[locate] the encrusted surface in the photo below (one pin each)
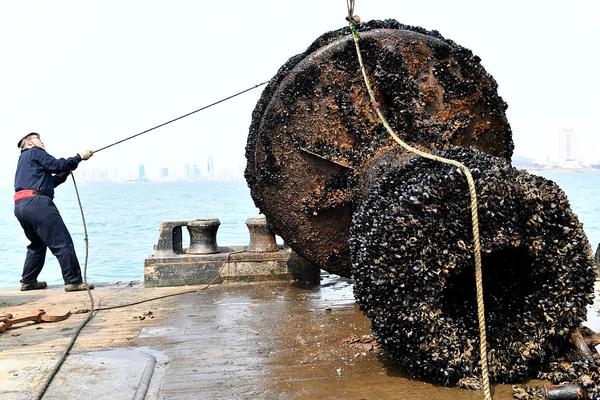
(314, 134)
(413, 266)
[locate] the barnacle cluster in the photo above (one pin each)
(412, 261)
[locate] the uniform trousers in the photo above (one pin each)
(45, 228)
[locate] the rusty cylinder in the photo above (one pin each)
(412, 262)
(203, 236)
(262, 240)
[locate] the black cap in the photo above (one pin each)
(20, 143)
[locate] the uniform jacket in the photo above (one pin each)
(40, 171)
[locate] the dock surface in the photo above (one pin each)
(234, 341)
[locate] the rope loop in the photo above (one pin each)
(350, 6)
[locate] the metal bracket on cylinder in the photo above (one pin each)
(169, 239)
(262, 240)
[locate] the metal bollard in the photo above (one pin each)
(262, 240)
(203, 236)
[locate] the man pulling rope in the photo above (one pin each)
(38, 173)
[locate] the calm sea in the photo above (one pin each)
(123, 223)
(123, 220)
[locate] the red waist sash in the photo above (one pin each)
(23, 194)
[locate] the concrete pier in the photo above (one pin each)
(249, 342)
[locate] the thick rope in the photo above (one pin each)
(474, 214)
(183, 116)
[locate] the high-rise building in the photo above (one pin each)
(164, 172)
(569, 145)
(142, 172)
(568, 154)
(195, 172)
(210, 167)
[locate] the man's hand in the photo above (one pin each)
(86, 154)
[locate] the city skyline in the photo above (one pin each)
(565, 149)
(568, 149)
(178, 171)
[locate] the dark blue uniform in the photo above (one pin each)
(40, 218)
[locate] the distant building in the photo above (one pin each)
(195, 172)
(569, 145)
(523, 162)
(210, 167)
(187, 171)
(164, 172)
(142, 172)
(567, 151)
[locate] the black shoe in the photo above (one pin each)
(33, 286)
(76, 287)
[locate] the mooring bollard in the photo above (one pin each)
(262, 240)
(169, 239)
(203, 236)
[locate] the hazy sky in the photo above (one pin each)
(87, 73)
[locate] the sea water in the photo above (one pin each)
(123, 220)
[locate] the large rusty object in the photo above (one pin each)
(314, 134)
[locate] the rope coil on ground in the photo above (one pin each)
(473, 205)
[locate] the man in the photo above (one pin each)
(38, 173)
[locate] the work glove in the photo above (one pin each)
(86, 154)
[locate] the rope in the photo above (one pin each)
(474, 214)
(182, 116)
(350, 5)
(66, 351)
(225, 263)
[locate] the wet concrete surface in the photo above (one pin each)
(237, 341)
